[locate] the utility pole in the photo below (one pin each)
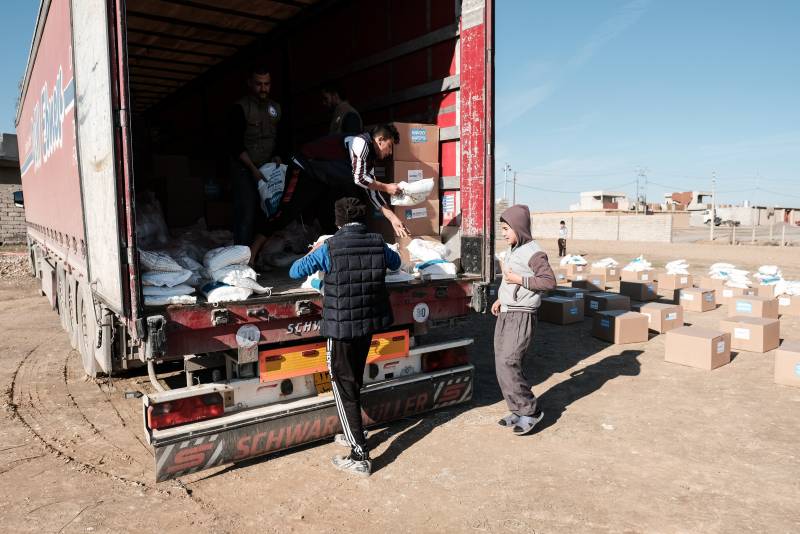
(514, 190)
(713, 206)
(641, 174)
(506, 168)
(638, 173)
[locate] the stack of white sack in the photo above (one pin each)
(605, 262)
(395, 277)
(433, 265)
(638, 265)
(732, 276)
(164, 281)
(720, 271)
(570, 259)
(769, 275)
(232, 279)
(413, 193)
(677, 267)
(785, 288)
(315, 281)
(284, 247)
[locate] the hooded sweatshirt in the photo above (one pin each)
(529, 261)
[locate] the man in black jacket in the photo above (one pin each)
(355, 306)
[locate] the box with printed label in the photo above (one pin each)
(642, 291)
(661, 317)
(422, 219)
(636, 276)
(763, 290)
(593, 282)
(418, 142)
(574, 271)
(561, 276)
(707, 282)
(789, 305)
(752, 334)
(597, 302)
(753, 306)
(787, 364)
(612, 273)
(726, 295)
(674, 281)
(451, 208)
(571, 292)
(698, 299)
(620, 326)
(561, 310)
(697, 347)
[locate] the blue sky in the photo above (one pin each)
(590, 91)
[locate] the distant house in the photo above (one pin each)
(601, 200)
(687, 201)
(9, 160)
(12, 218)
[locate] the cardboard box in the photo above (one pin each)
(697, 347)
(561, 275)
(418, 142)
(727, 294)
(787, 364)
(752, 334)
(620, 326)
(707, 282)
(789, 305)
(561, 310)
(570, 292)
(636, 276)
(661, 317)
(597, 302)
(765, 291)
(641, 291)
(753, 306)
(573, 271)
(402, 243)
(698, 299)
(612, 273)
(592, 283)
(421, 219)
(674, 281)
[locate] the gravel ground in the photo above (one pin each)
(13, 266)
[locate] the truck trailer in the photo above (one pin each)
(112, 85)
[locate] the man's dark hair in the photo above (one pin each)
(258, 69)
(334, 88)
(387, 131)
(562, 222)
(349, 210)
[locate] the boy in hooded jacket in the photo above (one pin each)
(526, 274)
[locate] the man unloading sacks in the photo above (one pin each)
(355, 305)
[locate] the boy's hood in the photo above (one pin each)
(518, 217)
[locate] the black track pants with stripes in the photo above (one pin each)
(346, 361)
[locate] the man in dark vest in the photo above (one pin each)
(252, 135)
(345, 119)
(355, 305)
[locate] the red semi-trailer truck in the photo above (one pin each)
(111, 83)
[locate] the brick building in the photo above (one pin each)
(12, 218)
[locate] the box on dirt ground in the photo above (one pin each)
(754, 306)
(570, 292)
(596, 302)
(698, 299)
(698, 347)
(674, 281)
(752, 334)
(593, 282)
(561, 310)
(636, 276)
(707, 282)
(573, 271)
(641, 291)
(789, 305)
(763, 290)
(787, 364)
(561, 276)
(620, 326)
(727, 294)
(612, 273)
(661, 317)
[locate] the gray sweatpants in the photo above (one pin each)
(513, 334)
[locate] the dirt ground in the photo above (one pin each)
(629, 443)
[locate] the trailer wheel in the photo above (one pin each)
(87, 330)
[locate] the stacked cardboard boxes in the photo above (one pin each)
(570, 292)
(597, 302)
(636, 276)
(674, 281)
(728, 294)
(661, 317)
(592, 282)
(787, 364)
(697, 299)
(641, 291)
(561, 310)
(611, 273)
(789, 305)
(754, 306)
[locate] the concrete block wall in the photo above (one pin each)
(650, 228)
(12, 218)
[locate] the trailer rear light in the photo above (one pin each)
(444, 359)
(186, 410)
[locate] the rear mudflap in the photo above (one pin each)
(234, 438)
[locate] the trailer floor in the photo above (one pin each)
(629, 443)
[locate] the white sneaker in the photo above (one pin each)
(525, 424)
(362, 468)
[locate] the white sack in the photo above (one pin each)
(174, 299)
(413, 193)
(218, 258)
(606, 262)
(638, 265)
(436, 270)
(157, 261)
(426, 250)
(396, 277)
(677, 267)
(165, 279)
(240, 276)
(155, 291)
(270, 187)
(217, 292)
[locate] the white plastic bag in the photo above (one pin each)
(218, 258)
(217, 292)
(573, 260)
(240, 276)
(158, 261)
(413, 193)
(638, 265)
(605, 262)
(165, 278)
(423, 250)
(315, 281)
(270, 187)
(396, 277)
(166, 300)
(157, 291)
(436, 270)
(677, 267)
